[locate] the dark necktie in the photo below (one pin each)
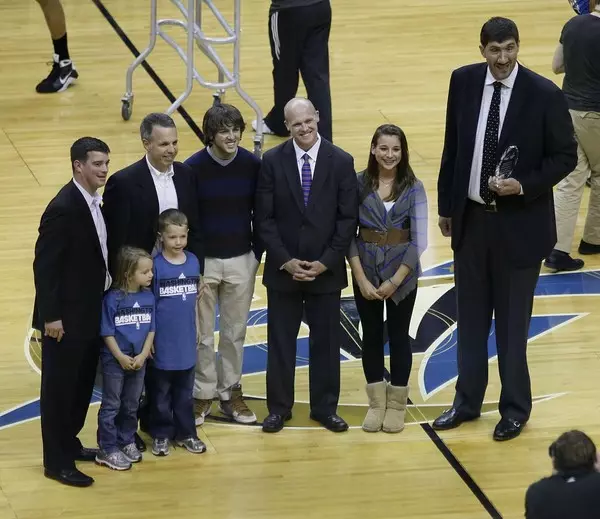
(490, 145)
(306, 178)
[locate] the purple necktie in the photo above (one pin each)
(306, 178)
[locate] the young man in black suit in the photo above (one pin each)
(137, 194)
(306, 214)
(501, 230)
(71, 275)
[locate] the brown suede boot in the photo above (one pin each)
(397, 397)
(377, 397)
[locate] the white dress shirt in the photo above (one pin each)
(486, 101)
(165, 187)
(312, 153)
(93, 202)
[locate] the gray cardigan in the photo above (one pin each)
(381, 262)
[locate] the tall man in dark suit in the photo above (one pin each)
(306, 215)
(137, 194)
(71, 275)
(500, 230)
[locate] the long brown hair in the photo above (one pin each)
(405, 176)
(126, 265)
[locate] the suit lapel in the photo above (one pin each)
(474, 94)
(180, 187)
(321, 171)
(290, 166)
(86, 216)
(145, 182)
(514, 108)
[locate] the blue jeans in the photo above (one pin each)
(171, 404)
(117, 418)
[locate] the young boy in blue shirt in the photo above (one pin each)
(170, 380)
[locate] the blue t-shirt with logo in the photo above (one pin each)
(176, 291)
(128, 317)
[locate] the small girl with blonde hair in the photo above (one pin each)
(127, 329)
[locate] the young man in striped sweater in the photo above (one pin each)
(225, 177)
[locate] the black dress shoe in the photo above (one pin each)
(450, 419)
(85, 454)
(71, 477)
(559, 261)
(274, 422)
(507, 429)
(332, 422)
(588, 248)
(139, 443)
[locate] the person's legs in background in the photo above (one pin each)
(63, 72)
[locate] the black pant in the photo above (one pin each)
(398, 322)
(170, 403)
(299, 38)
(323, 318)
(68, 374)
(487, 282)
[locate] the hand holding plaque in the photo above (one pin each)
(504, 168)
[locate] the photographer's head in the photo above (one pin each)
(573, 451)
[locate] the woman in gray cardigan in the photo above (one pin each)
(384, 258)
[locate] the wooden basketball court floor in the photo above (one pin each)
(390, 61)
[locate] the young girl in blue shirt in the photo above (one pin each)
(170, 380)
(127, 328)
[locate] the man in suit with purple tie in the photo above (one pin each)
(501, 231)
(306, 215)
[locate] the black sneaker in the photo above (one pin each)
(62, 75)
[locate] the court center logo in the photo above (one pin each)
(433, 334)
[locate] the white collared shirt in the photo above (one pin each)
(312, 153)
(93, 202)
(165, 187)
(486, 101)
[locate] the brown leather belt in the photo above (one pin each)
(389, 237)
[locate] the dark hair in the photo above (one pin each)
(81, 147)
(127, 261)
(498, 29)
(405, 176)
(152, 120)
(573, 451)
(171, 217)
(219, 117)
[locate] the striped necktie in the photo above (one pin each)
(306, 178)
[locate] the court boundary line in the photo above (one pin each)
(148, 68)
(462, 472)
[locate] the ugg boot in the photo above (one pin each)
(395, 408)
(377, 397)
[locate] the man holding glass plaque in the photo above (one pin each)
(509, 139)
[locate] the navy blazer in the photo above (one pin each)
(130, 208)
(538, 122)
(320, 231)
(68, 268)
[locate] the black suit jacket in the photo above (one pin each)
(573, 496)
(320, 231)
(538, 122)
(68, 268)
(131, 209)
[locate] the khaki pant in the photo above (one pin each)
(230, 284)
(569, 191)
